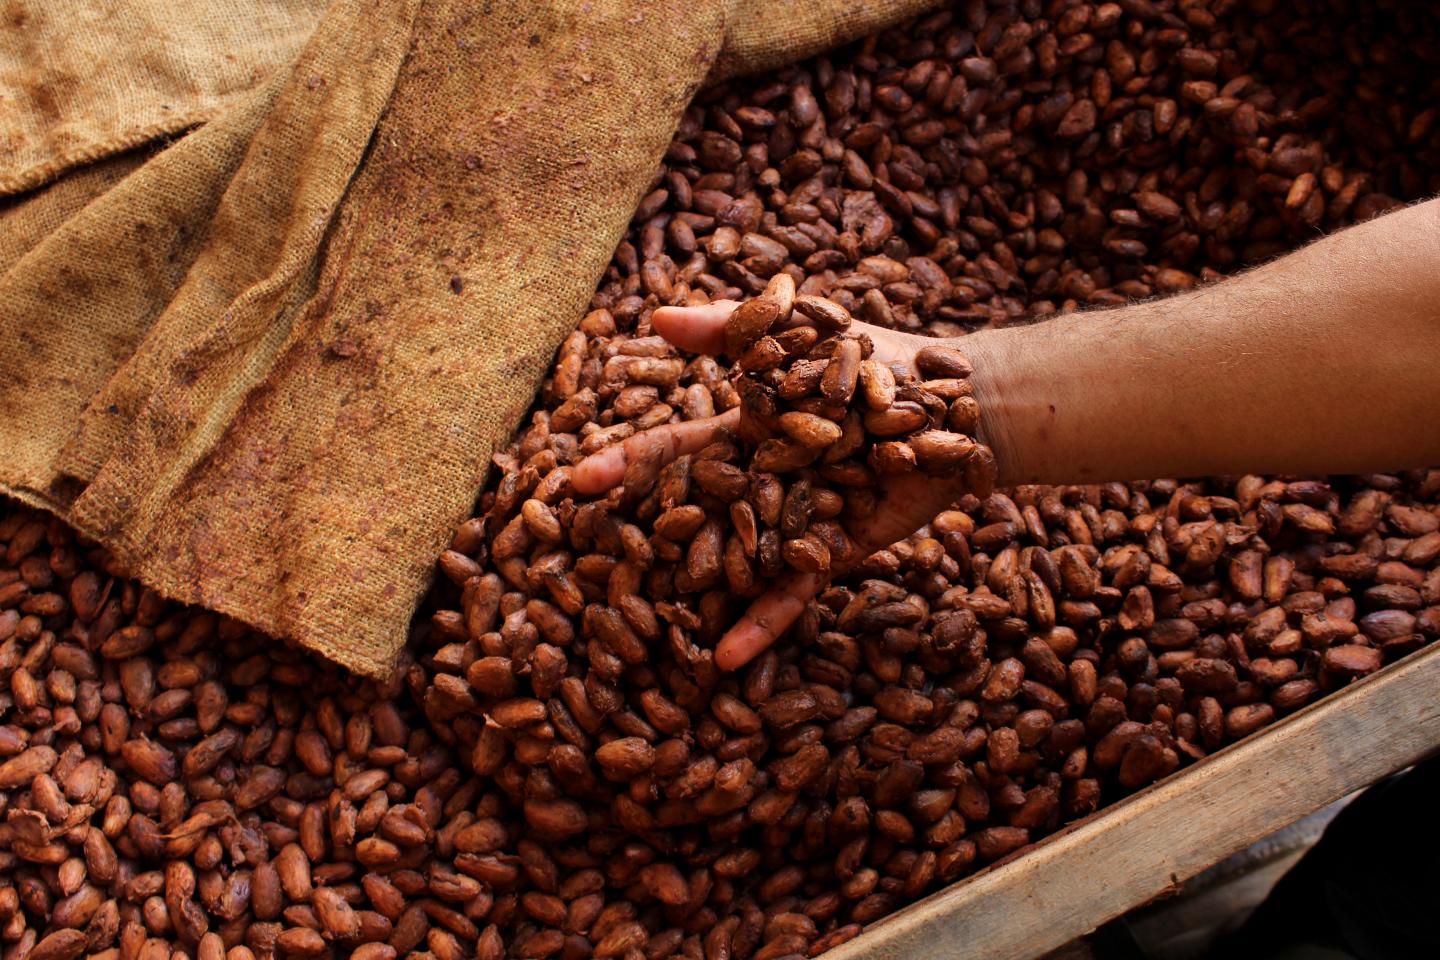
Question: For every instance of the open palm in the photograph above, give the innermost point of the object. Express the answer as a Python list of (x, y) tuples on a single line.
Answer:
[(906, 502)]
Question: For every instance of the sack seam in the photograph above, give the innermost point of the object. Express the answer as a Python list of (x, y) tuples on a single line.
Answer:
[(32, 178)]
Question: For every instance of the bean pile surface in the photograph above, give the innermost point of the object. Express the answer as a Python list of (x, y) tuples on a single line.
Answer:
[(558, 768)]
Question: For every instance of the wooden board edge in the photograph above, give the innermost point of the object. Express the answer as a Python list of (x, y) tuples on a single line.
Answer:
[(1147, 844)]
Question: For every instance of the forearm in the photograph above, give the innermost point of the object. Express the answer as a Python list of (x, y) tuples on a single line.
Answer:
[(1325, 361)]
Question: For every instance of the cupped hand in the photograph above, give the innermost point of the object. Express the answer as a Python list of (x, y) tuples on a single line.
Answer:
[(905, 503)]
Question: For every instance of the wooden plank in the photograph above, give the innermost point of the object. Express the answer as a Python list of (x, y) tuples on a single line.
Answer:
[(1146, 845)]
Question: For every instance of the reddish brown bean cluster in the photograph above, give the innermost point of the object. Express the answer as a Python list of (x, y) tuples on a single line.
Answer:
[(825, 421), (559, 769)]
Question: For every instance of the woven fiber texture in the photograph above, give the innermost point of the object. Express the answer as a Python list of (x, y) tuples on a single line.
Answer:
[(267, 366), (83, 79)]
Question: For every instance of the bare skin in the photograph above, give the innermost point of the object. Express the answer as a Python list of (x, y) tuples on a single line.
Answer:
[(1324, 361)]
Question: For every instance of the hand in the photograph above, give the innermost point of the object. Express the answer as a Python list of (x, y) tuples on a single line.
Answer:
[(1308, 364), (906, 502)]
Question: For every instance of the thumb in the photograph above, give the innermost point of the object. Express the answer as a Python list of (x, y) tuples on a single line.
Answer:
[(698, 329)]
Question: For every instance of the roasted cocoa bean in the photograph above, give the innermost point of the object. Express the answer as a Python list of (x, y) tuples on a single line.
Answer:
[(177, 782)]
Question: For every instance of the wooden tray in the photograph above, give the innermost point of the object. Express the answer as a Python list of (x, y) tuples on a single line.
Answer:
[(1148, 844)]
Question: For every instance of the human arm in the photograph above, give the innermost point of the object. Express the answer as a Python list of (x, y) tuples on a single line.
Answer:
[(1326, 360)]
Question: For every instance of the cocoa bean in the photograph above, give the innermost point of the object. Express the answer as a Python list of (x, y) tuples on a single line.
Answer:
[(179, 760)]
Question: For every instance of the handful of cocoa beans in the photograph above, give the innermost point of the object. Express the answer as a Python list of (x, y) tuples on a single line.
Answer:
[(833, 420)]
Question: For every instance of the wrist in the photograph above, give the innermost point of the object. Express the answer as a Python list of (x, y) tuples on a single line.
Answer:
[(1001, 420)]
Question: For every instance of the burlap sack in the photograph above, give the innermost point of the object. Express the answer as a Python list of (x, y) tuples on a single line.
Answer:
[(268, 367), (81, 81)]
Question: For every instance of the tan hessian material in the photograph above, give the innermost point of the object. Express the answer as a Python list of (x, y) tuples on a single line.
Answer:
[(81, 80), (268, 367)]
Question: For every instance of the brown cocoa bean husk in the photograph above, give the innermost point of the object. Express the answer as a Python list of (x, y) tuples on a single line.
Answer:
[(802, 379), (824, 313), (843, 372), (797, 341), (948, 389), (809, 430), (892, 458), (764, 354), (1351, 660), (150, 761), (18, 771), (899, 419), (749, 322), (1243, 720), (877, 384), (963, 416), (807, 554), (942, 361), (59, 945), (981, 472), (852, 439), (939, 451), (625, 757), (561, 818), (783, 456)]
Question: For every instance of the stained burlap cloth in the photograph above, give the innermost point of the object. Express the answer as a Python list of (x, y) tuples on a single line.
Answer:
[(267, 364)]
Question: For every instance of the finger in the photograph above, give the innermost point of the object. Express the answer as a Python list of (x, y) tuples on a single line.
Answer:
[(606, 468), (767, 618), (906, 504), (700, 329)]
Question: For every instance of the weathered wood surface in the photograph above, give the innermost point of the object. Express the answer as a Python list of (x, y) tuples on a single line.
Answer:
[(1146, 845)]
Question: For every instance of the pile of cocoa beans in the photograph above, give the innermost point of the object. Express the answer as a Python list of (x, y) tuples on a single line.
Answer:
[(824, 420), (559, 769)]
